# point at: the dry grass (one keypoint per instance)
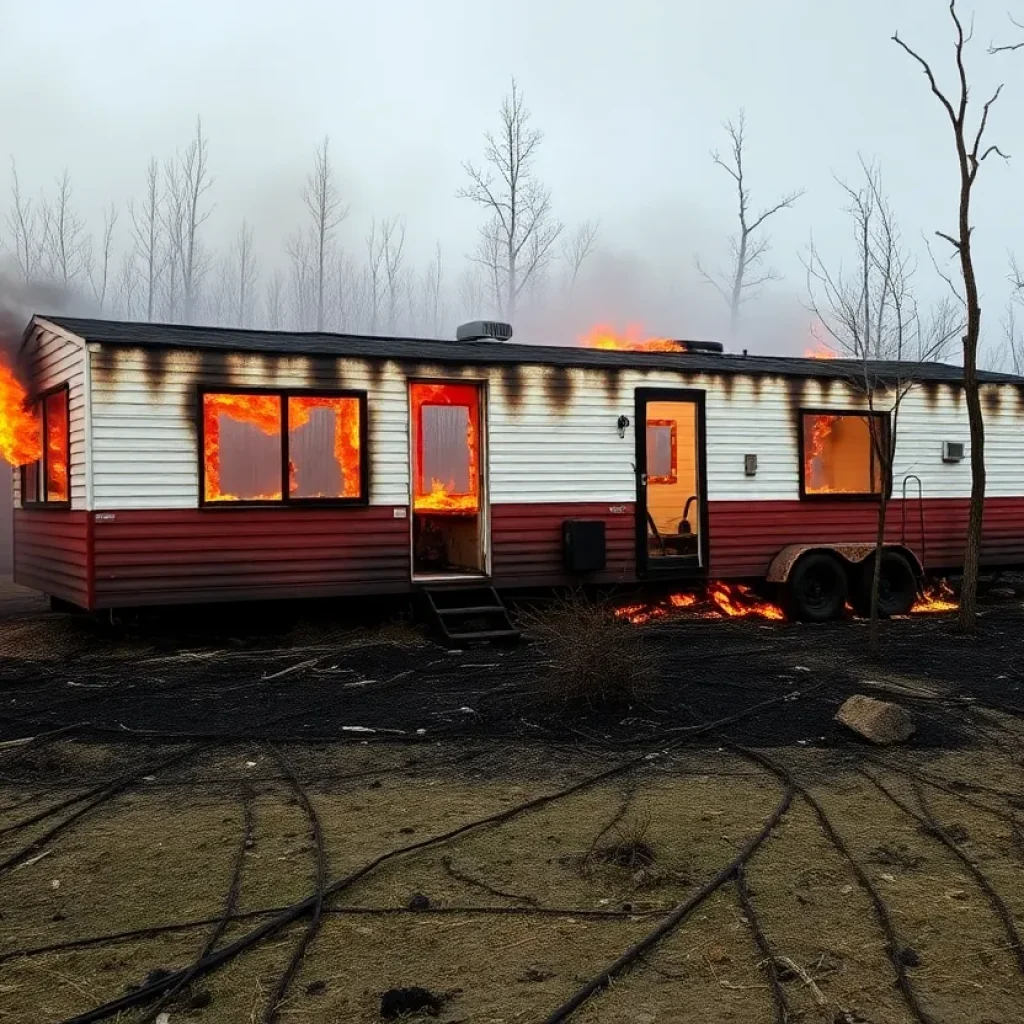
(162, 854)
(595, 659)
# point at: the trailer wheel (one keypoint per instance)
(817, 588)
(897, 586)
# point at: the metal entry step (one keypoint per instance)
(468, 614)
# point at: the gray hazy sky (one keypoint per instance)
(630, 96)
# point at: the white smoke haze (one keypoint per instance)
(630, 110)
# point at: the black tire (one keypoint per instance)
(897, 586)
(817, 588)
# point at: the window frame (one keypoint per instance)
(873, 496)
(40, 402)
(286, 500)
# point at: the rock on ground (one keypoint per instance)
(878, 721)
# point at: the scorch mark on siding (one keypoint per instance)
(559, 385)
(612, 379)
(154, 367)
(512, 385)
(993, 399)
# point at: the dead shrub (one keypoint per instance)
(631, 848)
(594, 658)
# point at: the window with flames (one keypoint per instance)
(46, 479)
(446, 443)
(840, 454)
(283, 447)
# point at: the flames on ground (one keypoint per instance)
(21, 439)
(726, 600)
(738, 601)
(936, 597)
(606, 337)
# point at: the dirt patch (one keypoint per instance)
(505, 921)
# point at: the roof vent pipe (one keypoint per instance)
(484, 330)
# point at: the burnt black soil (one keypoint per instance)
(310, 673)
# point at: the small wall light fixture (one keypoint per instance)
(622, 424)
(750, 465)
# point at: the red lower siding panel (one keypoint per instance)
(192, 556)
(746, 535)
(526, 542)
(51, 553)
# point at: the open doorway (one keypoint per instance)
(448, 487)
(671, 507)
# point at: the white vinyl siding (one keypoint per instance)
(552, 437)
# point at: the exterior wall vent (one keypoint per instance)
(484, 330)
(952, 451)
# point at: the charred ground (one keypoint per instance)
(202, 817)
(287, 673)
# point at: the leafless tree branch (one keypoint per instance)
(746, 251)
(517, 241)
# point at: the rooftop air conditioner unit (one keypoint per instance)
(484, 330)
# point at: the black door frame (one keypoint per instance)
(668, 566)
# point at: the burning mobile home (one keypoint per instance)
(168, 464)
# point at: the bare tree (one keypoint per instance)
(970, 156)
(517, 242)
(323, 202)
(432, 296)
(375, 283)
(872, 316)
(747, 248)
(147, 232)
(99, 276)
(472, 286)
(196, 180)
(127, 290)
(66, 242)
(393, 250)
(1010, 355)
(26, 236)
(244, 275)
(576, 248)
(302, 281)
(273, 303)
(172, 220)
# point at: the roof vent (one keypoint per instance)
(704, 346)
(484, 330)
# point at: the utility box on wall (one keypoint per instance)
(583, 545)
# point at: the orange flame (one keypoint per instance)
(936, 597)
(819, 351)
(730, 600)
(346, 440)
(737, 601)
(441, 497)
(262, 411)
(604, 336)
(21, 439)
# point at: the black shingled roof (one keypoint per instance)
(493, 353)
